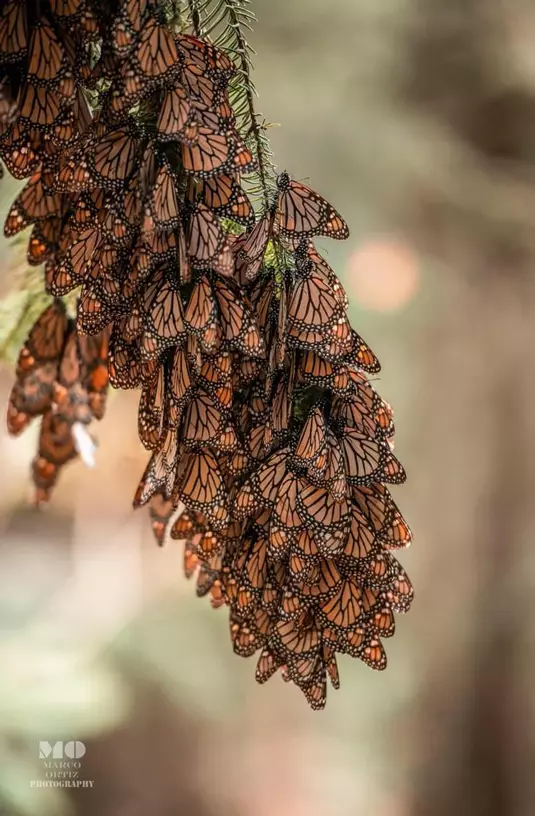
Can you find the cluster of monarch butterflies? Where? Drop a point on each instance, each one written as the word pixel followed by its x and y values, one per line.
pixel 61 377
pixel 270 450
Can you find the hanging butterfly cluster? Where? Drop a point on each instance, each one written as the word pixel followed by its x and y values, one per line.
pixel 61 377
pixel 270 449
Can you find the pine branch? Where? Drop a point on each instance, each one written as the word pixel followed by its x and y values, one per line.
pixel 224 22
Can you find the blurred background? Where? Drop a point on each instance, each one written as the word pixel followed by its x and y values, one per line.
pixel 416 118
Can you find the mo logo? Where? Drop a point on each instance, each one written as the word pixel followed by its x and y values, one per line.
pixel 74 749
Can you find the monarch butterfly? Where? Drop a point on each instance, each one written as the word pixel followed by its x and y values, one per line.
pixel 152 482
pixel 17 151
pixel 361 542
pixel 302 212
pixel 237 323
pixel 285 516
pixel 288 640
pixel 55 449
pixel 378 507
pixel 46 339
pixel 364 458
pixel 270 478
pixel 364 410
pixel 201 487
pixel 378 571
pixel 344 609
pixel 311 441
pixel 251 568
pixel 43 242
pixel 124 360
pixel 127 24
pixel 362 356
pixel 216 153
pixel 317 507
pixel 34 202
pixel 245 641
pixel 160 511
pixel 71 398
pixel 400 594
pixel 68 269
pixel 199 86
pixel 8 109
pixel 106 161
pixel 204 424
pixel 380 622
pixel 205 55
pixel 179 378
pixel 373 654
pixel 150 251
pixel 47 62
pixel 209 546
pixel 177 120
pixel 267 665
pixel 224 196
pixel 79 12
pixel 151 411
pixel 13 31
pixel 162 211
pixel 250 248
pixel 164 326
pixel 156 51
pixel 313 306
pixel 303 671
pixel 332 474
pixel 209 582
pixel 317 371
pixel 322 582
pixel 306 251
pixel 31 396
pixel 279 419
pixel 204 235
pixel 38 106
pixel 187 525
pixel 94 315
pixel 94 355
pixel 216 368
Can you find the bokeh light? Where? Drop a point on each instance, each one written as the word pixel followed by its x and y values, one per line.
pixel 383 274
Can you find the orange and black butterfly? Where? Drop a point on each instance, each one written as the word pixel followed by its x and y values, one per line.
pixel 105 158
pixel 162 210
pixel 205 424
pixel 162 316
pixel 127 24
pixel 207 245
pixel 34 203
pixel 13 31
pixel 214 153
pixel 56 448
pixel 223 195
pixel 18 151
pixel 78 14
pixel 313 307
pixel 250 248
pixel 177 120
pixel 37 368
pixel 239 329
pixel 160 510
pixel 156 51
pixel 369 460
pixel 93 351
pixel 204 55
pixel 301 212
pixel 201 487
